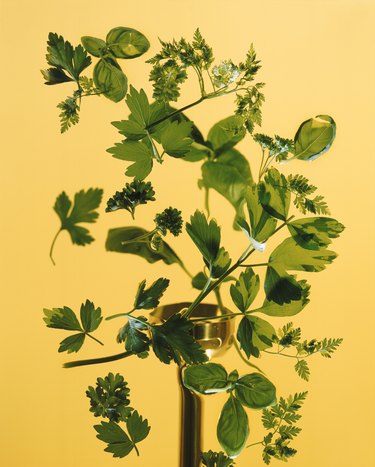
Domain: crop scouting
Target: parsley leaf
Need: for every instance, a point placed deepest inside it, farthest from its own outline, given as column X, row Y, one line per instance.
column 147, row 299
column 315, row 232
column 137, row 427
column 246, row 288
column 216, row 459
column 254, row 335
column 175, row 138
column 136, row 340
column 83, row 210
column 173, row 340
column 206, row 235
column 137, row 152
column 65, row 318
column 109, row 399
column 119, row 443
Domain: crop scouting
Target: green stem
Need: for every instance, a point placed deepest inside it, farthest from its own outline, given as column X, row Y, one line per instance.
column 94, row 338
column 53, row 245
column 141, row 237
column 94, row 361
column 253, row 265
column 219, row 301
column 207, row 200
column 254, row 444
column 120, row 314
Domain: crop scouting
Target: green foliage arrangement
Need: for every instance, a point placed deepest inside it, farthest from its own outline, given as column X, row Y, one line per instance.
column 154, row 130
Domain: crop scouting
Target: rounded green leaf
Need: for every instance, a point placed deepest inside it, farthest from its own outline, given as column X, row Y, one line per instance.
column 127, row 42
column 110, row 80
column 233, row 427
column 255, row 391
column 93, row 45
column 314, row 137
column 206, row 379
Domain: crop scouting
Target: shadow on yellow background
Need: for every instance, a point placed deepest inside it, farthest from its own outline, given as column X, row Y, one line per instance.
column 318, row 58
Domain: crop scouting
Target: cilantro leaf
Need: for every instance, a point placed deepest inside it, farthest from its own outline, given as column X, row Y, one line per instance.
column 175, row 138
column 110, row 399
column 118, row 442
column 173, row 340
column 85, row 203
column 137, row 152
column 65, row 318
column 63, row 56
column 245, row 290
column 137, row 427
column 147, row 299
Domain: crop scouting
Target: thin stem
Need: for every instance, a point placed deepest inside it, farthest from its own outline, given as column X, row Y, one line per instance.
column 95, row 361
column 219, row 301
column 119, row 314
column 254, row 444
column 253, row 265
column 207, row 200
column 136, row 449
column 141, row 237
column 94, row 339
column 53, row 245
column 261, row 166
column 154, row 148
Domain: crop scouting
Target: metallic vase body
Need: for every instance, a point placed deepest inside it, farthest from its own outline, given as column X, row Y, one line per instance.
column 216, row 337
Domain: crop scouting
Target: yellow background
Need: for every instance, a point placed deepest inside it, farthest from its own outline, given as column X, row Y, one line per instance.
column 318, row 57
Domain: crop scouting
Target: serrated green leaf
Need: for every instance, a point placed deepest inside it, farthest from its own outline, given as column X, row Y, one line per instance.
column 139, row 106
column 137, row 427
column 315, row 232
column 314, row 137
column 173, row 340
column 221, row 263
column 209, row 378
column 274, row 194
column 255, row 391
column 245, row 290
column 135, row 151
column 91, row 317
column 136, row 340
column 254, row 335
column 85, row 204
column 55, row 76
column 147, row 299
column 281, row 287
column 271, row 308
column 206, row 235
column 118, row 442
column 302, row 369
column 233, row 427
column 291, row 256
column 72, row 343
column 175, row 138
column 62, row 318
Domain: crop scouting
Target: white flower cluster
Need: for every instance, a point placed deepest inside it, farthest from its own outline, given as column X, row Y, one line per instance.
column 225, row 73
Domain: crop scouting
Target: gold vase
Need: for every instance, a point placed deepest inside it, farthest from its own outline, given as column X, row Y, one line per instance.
column 216, row 337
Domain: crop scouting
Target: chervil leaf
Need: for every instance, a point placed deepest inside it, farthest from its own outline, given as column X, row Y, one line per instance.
column 118, row 441
column 62, row 55
column 274, row 194
column 135, row 151
column 175, row 138
column 147, row 299
column 302, row 369
column 110, row 398
column 315, row 232
column 136, row 340
column 291, row 256
column 173, row 340
column 138, row 428
column 85, row 203
column 254, row 335
column 205, row 235
column 91, row 317
column 245, row 290
column 216, row 459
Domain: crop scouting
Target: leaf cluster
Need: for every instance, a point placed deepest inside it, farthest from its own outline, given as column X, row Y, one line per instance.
column 65, row 318
column 280, row 420
column 301, row 187
column 132, row 195
column 216, row 459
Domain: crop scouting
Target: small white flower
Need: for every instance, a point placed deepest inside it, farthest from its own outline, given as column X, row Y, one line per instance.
column 225, row 73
